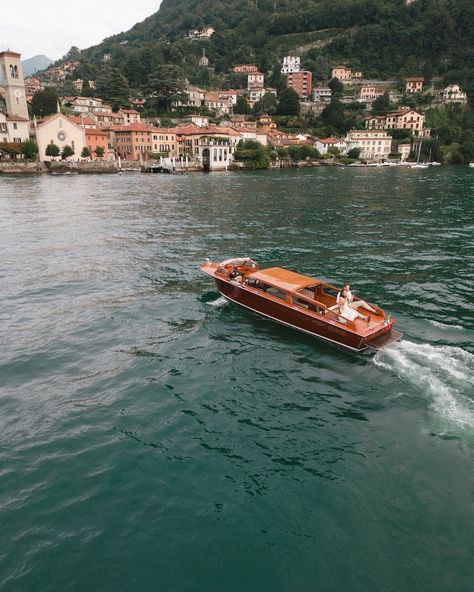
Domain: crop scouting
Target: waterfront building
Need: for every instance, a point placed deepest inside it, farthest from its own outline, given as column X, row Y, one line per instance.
column 291, row 64
column 375, row 145
column 404, row 150
column 214, row 153
column 301, row 82
column 58, row 129
column 322, row 145
column 189, row 138
column 164, row 141
column 97, row 138
column 134, row 142
column 414, row 84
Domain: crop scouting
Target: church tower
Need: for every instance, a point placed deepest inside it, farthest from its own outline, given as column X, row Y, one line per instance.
column 11, row 79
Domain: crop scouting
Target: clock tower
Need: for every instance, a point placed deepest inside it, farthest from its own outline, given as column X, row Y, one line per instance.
column 11, row 79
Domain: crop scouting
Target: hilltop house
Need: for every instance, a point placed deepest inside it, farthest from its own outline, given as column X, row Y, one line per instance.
column 291, row 64
column 414, row 85
column 454, row 94
column 322, row 94
column 200, row 33
column 346, row 75
column 402, row 118
column 245, row 68
column 369, row 92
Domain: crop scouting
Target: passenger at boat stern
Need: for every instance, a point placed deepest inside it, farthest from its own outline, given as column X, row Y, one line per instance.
column 355, row 304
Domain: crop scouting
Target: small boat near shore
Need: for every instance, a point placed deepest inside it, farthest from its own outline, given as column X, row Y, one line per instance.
column 300, row 302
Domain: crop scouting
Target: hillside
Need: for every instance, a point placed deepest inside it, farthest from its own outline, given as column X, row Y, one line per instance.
column 385, row 38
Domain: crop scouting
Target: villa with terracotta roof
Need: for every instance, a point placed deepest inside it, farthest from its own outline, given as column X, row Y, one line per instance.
column 322, row 145
column 414, row 85
column 402, row 118
column 97, row 138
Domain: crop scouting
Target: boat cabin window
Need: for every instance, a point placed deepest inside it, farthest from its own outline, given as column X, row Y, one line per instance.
column 305, row 304
column 267, row 288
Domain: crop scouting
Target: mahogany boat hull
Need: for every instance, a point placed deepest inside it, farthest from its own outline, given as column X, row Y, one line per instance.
column 318, row 319
column 289, row 316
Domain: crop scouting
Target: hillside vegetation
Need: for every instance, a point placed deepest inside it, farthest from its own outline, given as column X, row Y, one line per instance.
column 384, row 38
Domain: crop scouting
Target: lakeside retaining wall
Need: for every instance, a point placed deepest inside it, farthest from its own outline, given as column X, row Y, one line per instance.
column 20, row 167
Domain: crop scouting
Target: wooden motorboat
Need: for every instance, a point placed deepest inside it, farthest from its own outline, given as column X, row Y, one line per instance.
column 300, row 302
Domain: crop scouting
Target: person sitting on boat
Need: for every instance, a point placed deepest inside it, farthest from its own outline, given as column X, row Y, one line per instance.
column 346, row 311
column 235, row 274
column 350, row 298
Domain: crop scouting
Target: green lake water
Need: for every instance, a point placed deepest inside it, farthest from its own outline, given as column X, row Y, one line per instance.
column 155, row 437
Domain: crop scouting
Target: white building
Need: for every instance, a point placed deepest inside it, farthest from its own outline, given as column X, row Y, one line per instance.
column 58, row 129
column 454, row 94
column 85, row 104
column 375, row 145
column 322, row 145
column 291, row 64
column 215, row 154
column 255, row 80
column 195, row 96
column 322, row 94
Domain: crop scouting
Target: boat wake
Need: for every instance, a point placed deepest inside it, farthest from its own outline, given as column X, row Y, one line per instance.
column 445, row 374
column 221, row 301
column 445, row 326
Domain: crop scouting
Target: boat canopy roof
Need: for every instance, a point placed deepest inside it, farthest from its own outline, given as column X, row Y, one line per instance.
column 284, row 279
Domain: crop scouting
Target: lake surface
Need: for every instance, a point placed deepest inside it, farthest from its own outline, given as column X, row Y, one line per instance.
column 155, row 437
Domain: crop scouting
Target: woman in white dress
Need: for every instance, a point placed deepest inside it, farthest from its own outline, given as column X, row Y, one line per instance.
column 346, row 311
column 350, row 300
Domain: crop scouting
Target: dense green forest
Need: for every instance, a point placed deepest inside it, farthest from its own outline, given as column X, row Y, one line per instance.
column 385, row 38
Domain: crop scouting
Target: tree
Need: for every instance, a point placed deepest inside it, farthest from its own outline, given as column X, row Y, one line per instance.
column 252, row 154
column 354, row 153
column 242, row 107
column 267, row 105
column 333, row 114
column 112, row 86
column 99, row 152
column 11, row 148
column 288, row 103
column 52, row 150
column 381, row 104
column 166, row 85
column 29, row 149
column 86, row 152
column 67, row 151
column 44, row 102
column 336, row 86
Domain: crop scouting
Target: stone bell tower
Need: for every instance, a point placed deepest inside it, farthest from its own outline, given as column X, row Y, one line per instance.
column 11, row 79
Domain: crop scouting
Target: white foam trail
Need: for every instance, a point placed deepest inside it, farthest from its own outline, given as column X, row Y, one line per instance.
column 444, row 373
column 445, row 326
column 218, row 303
